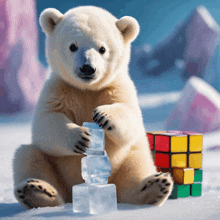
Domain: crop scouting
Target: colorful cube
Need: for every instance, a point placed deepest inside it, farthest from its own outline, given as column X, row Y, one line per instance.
column 180, row 191
column 174, row 132
column 179, row 153
column 195, row 160
column 151, row 138
column 196, row 189
column 183, row 176
column 198, row 176
column 170, row 160
column 195, row 141
column 165, row 170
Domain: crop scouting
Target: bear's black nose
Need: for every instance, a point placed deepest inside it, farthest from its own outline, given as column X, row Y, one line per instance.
column 87, row 70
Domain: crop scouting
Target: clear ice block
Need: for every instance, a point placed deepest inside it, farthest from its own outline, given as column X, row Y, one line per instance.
column 97, row 138
column 102, row 198
column 93, row 166
column 94, row 199
column 95, row 196
column 81, row 198
column 97, row 180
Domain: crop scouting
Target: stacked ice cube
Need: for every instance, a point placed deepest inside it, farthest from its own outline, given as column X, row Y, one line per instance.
column 95, row 196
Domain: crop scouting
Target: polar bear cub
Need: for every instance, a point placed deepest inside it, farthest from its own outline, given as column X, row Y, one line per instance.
column 88, row 51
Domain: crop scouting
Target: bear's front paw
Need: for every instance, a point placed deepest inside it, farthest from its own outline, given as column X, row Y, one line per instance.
column 78, row 138
column 103, row 118
column 81, row 139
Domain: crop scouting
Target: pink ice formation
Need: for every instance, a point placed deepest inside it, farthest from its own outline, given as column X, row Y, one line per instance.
column 197, row 110
column 21, row 74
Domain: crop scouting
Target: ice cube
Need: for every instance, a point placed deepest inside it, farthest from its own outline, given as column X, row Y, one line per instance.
column 91, row 125
column 97, row 180
column 94, row 152
column 81, row 198
column 94, row 199
column 94, row 165
column 97, row 138
column 84, row 172
column 102, row 198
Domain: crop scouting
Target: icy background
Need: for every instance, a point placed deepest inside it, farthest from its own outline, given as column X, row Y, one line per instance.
column 158, row 96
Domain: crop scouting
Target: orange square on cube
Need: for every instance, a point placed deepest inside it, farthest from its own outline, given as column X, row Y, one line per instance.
column 183, row 176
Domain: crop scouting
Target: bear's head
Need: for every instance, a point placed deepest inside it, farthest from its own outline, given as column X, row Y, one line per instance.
column 87, row 46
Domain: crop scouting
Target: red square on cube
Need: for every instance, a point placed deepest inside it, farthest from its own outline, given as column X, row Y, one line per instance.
column 162, row 160
column 162, row 143
column 151, row 138
column 151, row 141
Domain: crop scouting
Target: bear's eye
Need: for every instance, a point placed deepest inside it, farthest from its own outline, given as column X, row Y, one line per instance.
column 73, row 48
column 102, row 50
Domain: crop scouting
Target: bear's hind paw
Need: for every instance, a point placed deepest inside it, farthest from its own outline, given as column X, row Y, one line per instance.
column 156, row 189
column 34, row 193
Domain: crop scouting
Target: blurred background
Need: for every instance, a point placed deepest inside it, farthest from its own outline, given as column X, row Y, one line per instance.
column 174, row 60
column 156, row 18
column 174, row 64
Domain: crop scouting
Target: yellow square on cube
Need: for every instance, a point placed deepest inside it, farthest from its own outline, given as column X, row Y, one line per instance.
column 195, row 160
column 179, row 143
column 195, row 143
column 179, row 160
column 183, row 176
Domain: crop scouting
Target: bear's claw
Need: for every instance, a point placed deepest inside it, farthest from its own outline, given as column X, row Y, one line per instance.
column 83, row 142
column 102, row 120
column 156, row 189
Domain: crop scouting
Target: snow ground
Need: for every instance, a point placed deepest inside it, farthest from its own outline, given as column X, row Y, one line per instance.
column 15, row 130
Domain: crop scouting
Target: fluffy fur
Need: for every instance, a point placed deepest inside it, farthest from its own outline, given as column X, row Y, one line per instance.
column 87, row 84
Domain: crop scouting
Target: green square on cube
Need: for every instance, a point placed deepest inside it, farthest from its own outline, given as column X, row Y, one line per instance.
column 180, row 191
column 196, row 189
column 198, row 176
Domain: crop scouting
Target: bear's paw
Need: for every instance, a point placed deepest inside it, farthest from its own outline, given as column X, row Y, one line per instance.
column 156, row 189
column 103, row 119
column 80, row 138
column 34, row 193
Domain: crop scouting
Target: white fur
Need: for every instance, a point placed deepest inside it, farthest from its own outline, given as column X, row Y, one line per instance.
column 67, row 100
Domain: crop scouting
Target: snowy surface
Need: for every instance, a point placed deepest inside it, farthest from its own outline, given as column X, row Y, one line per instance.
column 157, row 98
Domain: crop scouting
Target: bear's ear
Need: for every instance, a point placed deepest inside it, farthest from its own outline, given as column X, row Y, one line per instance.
column 49, row 18
column 129, row 28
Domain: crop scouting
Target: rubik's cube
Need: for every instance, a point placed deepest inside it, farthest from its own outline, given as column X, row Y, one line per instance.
column 179, row 153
